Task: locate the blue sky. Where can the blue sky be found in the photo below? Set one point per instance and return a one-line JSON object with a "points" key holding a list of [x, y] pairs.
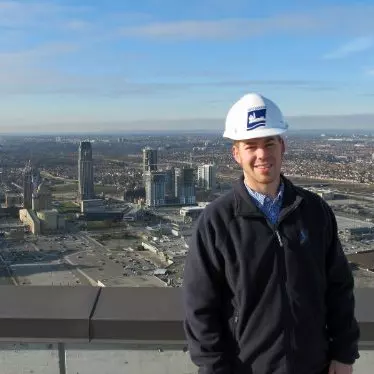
{"points": [[79, 65]]}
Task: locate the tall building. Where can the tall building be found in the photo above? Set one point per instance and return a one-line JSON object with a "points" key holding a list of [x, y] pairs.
{"points": [[35, 178], [27, 186], [85, 172], [185, 185], [206, 176], [155, 185], [170, 182], [149, 159], [42, 198]]}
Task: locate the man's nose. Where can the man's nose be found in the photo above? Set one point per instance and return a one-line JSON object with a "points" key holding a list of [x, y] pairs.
{"points": [[262, 152]]}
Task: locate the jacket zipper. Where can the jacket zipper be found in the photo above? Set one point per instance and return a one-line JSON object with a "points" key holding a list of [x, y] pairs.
{"points": [[279, 238], [285, 309], [286, 312], [236, 317], [235, 323]]}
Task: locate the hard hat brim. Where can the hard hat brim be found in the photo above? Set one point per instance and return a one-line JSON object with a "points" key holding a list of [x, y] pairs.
{"points": [[254, 134]]}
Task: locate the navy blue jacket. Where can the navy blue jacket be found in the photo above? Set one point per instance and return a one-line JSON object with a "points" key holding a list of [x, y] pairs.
{"points": [[268, 299]]}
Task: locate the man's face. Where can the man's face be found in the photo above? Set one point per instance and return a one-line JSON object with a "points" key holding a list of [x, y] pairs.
{"points": [[260, 159]]}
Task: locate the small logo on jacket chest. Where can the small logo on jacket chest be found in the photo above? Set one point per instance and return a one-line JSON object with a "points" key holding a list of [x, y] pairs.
{"points": [[303, 236]]}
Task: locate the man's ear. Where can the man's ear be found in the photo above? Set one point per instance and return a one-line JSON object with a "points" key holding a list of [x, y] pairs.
{"points": [[283, 145], [235, 153]]}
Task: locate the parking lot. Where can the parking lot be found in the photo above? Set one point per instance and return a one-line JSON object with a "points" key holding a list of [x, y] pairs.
{"points": [[77, 260], [39, 262]]}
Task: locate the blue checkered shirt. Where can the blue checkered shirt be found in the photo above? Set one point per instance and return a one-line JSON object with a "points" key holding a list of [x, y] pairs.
{"points": [[270, 207]]}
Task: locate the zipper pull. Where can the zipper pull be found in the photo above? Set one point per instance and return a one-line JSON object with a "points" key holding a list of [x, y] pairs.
{"points": [[279, 238]]}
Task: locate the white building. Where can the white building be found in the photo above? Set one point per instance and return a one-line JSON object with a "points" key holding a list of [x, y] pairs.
{"points": [[324, 193], [191, 211], [150, 159], [206, 176], [28, 217]]}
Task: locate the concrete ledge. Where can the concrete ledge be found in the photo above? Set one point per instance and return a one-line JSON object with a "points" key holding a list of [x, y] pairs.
{"points": [[113, 315], [46, 314], [138, 314]]}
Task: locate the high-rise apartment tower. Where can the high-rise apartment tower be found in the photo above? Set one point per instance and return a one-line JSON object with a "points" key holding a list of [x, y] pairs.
{"points": [[85, 172], [27, 186], [206, 176], [185, 185], [155, 183], [149, 159]]}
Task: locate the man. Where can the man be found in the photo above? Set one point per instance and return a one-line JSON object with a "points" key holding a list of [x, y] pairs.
{"points": [[267, 287]]}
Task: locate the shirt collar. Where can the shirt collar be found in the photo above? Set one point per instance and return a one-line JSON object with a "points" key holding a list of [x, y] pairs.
{"points": [[261, 198]]}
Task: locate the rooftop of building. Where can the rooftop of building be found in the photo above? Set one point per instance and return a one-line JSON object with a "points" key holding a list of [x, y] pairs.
{"points": [[111, 329], [190, 208]]}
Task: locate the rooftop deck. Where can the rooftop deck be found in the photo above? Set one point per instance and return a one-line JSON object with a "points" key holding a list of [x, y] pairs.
{"points": [[113, 330]]}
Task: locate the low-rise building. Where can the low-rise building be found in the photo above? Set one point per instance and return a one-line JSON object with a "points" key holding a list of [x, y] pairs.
{"points": [[191, 211], [92, 206], [29, 218], [50, 220], [13, 199], [357, 233], [324, 193]]}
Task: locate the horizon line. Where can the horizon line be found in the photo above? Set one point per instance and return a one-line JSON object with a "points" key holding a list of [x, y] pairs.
{"points": [[171, 131]]}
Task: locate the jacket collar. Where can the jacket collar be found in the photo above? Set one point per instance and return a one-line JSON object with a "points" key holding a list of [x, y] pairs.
{"points": [[244, 205]]}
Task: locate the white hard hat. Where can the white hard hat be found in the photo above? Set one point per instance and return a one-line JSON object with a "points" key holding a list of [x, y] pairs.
{"points": [[254, 116]]}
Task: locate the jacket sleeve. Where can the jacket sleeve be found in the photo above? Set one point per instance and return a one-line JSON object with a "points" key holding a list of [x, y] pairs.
{"points": [[342, 326], [203, 277]]}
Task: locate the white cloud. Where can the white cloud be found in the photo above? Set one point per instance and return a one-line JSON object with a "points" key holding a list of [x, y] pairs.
{"points": [[51, 16], [27, 57], [21, 74], [352, 47], [336, 20], [77, 25], [22, 14], [218, 29]]}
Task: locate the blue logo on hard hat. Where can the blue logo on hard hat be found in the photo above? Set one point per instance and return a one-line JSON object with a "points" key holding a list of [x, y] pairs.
{"points": [[256, 118]]}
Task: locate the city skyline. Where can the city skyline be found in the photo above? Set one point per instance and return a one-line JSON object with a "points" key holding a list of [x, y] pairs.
{"points": [[137, 214], [84, 66]]}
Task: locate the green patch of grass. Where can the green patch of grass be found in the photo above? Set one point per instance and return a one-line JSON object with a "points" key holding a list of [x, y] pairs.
{"points": [[99, 225], [68, 187], [106, 189], [69, 207], [69, 204]]}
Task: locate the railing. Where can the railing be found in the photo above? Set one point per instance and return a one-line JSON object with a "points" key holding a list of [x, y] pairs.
{"points": [[143, 320]]}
